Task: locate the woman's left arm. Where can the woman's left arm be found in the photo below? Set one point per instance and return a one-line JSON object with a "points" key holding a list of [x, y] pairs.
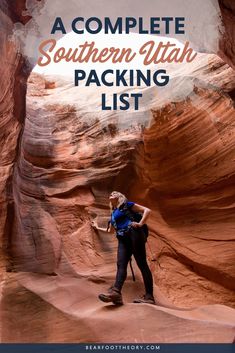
{"points": [[145, 210]]}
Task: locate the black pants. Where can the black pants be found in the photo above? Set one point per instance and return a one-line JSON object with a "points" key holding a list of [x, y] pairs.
{"points": [[133, 243]]}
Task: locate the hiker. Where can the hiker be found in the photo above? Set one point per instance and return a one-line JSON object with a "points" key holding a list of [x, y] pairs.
{"points": [[131, 240]]}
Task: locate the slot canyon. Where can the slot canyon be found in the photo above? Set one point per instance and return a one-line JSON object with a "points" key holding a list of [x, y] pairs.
{"points": [[59, 163]]}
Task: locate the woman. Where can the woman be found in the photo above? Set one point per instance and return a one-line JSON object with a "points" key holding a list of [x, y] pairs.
{"points": [[131, 240]]}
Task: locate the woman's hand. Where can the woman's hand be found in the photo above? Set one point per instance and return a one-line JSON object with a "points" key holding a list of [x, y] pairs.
{"points": [[136, 224], [94, 224]]}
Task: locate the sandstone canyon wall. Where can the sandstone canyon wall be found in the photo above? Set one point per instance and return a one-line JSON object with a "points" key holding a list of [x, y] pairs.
{"points": [[59, 163], [14, 74]]}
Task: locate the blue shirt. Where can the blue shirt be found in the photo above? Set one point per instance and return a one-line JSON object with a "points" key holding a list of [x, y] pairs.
{"points": [[118, 218]]}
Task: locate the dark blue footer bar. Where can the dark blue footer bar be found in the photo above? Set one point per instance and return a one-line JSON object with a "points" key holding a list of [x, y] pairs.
{"points": [[116, 347]]}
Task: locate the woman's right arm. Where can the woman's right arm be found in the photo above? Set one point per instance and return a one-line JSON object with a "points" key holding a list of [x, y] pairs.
{"points": [[96, 227]]}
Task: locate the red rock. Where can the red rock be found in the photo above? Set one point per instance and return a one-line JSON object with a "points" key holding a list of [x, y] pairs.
{"points": [[227, 41], [57, 167]]}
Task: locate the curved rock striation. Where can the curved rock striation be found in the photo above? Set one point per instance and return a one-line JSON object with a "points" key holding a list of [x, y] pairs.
{"points": [[14, 72], [227, 41], [57, 168]]}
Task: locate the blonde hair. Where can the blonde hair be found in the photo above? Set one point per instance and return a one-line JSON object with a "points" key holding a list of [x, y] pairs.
{"points": [[121, 199]]}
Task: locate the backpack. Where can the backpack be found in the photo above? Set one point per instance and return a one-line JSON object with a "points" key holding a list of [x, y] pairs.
{"points": [[135, 217]]}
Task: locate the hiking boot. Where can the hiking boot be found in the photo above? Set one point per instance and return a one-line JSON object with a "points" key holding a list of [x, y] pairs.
{"points": [[113, 295], [147, 298]]}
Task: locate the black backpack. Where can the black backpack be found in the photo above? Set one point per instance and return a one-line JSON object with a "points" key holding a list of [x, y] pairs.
{"points": [[134, 217]]}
